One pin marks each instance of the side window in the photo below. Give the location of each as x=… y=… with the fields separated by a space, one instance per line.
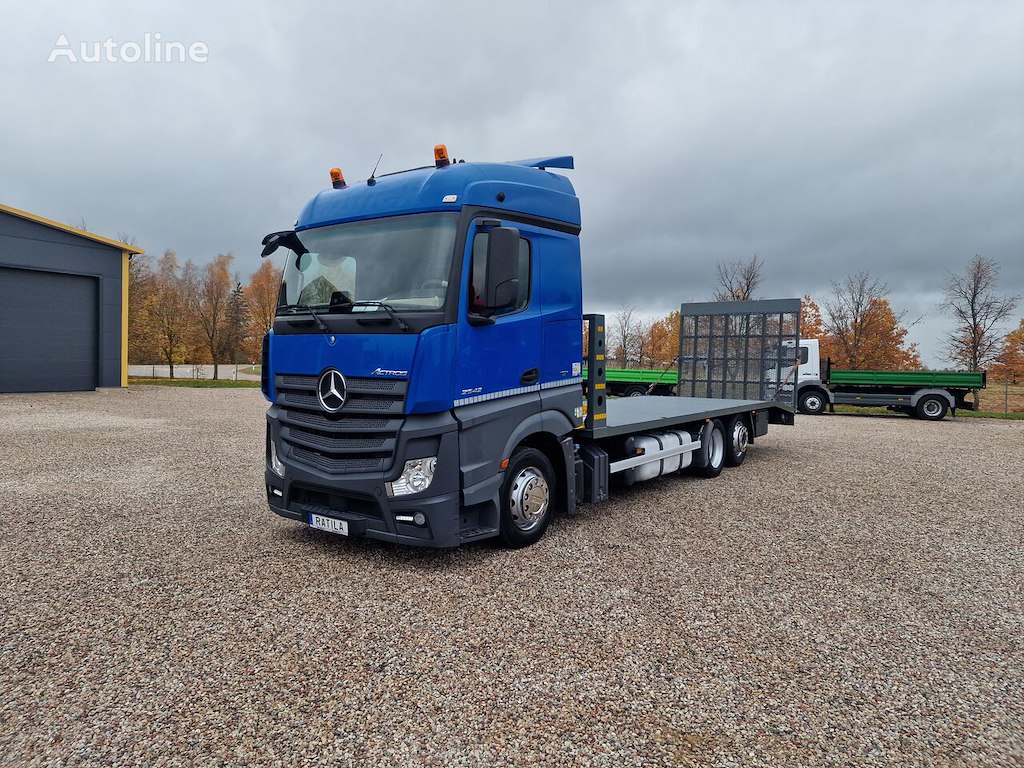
x=476 y=286
x=804 y=355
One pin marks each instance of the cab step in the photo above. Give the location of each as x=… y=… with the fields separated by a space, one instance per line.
x=474 y=534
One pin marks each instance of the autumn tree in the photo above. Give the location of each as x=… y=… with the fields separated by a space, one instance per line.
x=885 y=340
x=978 y=311
x=261 y=294
x=642 y=344
x=236 y=325
x=812 y=326
x=142 y=337
x=169 y=318
x=739 y=280
x=865 y=332
x=663 y=340
x=209 y=297
x=1009 y=366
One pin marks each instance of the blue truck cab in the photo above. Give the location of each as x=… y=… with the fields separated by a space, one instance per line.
x=424 y=366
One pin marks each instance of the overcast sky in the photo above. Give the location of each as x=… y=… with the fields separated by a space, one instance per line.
x=827 y=137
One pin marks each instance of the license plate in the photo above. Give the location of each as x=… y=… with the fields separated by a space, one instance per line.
x=329 y=524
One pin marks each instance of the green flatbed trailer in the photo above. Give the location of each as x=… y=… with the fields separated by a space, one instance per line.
x=637 y=382
x=928 y=395
x=948 y=379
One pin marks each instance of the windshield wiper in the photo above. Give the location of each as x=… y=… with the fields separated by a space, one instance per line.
x=306 y=308
x=348 y=306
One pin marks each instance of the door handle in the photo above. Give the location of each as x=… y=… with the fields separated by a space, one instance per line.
x=529 y=377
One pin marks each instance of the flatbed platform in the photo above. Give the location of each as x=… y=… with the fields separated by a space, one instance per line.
x=628 y=415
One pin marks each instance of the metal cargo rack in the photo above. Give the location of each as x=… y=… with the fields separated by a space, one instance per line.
x=740 y=349
x=734 y=357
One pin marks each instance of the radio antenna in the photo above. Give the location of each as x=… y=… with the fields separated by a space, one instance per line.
x=374 y=171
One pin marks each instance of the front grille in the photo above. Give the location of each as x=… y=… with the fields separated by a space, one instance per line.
x=326 y=463
x=355 y=402
x=361 y=438
x=320 y=421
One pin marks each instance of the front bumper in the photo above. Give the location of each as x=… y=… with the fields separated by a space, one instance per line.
x=361 y=499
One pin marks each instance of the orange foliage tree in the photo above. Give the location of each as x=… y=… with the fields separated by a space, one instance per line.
x=865 y=331
x=663 y=340
x=1009 y=366
x=209 y=295
x=261 y=294
x=884 y=341
x=813 y=327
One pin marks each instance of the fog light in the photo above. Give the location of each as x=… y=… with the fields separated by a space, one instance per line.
x=418 y=519
x=275 y=462
x=416 y=477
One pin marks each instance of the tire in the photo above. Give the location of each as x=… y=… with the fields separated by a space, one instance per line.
x=812 y=402
x=715 y=451
x=932 y=408
x=635 y=390
x=528 y=495
x=737 y=440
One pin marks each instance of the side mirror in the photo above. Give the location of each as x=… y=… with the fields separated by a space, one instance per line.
x=501 y=277
x=270 y=244
x=288 y=239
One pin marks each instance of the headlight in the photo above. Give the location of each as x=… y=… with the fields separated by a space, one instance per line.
x=275 y=462
x=416 y=477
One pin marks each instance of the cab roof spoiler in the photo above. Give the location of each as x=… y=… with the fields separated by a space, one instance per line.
x=554 y=161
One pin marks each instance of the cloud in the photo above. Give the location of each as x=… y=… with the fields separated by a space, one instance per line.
x=826 y=138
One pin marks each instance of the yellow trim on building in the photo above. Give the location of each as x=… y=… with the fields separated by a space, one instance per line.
x=125 y=256
x=131 y=249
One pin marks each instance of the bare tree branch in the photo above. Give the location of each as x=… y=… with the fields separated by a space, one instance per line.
x=739 y=280
x=977 y=311
x=623 y=336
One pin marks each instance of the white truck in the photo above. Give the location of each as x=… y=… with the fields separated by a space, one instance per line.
x=928 y=395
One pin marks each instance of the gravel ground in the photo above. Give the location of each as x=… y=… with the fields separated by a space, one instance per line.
x=853 y=595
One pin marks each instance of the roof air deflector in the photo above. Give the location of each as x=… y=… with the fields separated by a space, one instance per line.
x=554 y=161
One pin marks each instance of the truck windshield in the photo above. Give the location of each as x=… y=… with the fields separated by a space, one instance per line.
x=403 y=261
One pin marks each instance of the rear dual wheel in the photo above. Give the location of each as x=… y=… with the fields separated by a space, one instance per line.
x=932 y=408
x=712 y=451
x=737 y=440
x=726 y=446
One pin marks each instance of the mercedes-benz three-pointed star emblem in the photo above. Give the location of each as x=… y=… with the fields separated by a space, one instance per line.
x=331 y=390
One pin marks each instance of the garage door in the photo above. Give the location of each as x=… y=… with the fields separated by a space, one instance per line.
x=49 y=331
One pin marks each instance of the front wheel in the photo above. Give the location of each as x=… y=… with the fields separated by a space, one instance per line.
x=932 y=408
x=527 y=497
x=812 y=403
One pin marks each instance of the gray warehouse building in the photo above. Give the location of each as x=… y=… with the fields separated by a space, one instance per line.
x=63 y=306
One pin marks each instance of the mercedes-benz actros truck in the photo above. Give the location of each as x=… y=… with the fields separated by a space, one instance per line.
x=425 y=367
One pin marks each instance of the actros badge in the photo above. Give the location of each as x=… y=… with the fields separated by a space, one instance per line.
x=331 y=390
